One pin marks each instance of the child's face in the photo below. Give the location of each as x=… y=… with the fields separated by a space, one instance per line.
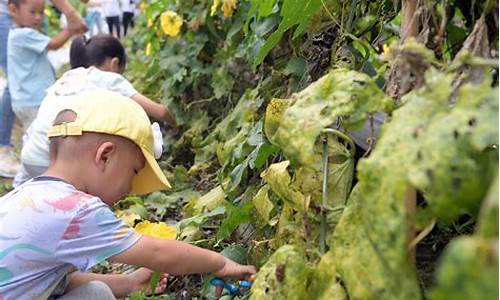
x=28 y=13
x=117 y=178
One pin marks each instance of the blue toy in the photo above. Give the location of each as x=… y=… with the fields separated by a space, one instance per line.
x=239 y=289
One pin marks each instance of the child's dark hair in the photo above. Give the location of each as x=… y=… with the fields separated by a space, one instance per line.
x=94 y=51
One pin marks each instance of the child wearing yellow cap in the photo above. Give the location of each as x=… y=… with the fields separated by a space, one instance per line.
x=61 y=221
x=97 y=63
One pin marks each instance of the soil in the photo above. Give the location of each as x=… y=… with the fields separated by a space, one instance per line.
x=429 y=250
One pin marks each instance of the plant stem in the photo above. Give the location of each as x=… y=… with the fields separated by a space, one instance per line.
x=322 y=230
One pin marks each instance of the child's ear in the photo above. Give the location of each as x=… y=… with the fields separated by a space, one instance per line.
x=12 y=9
x=115 y=65
x=103 y=155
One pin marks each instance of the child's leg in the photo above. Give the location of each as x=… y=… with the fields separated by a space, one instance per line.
x=125 y=23
x=116 y=21
x=6 y=118
x=6 y=113
x=90 y=291
x=26 y=115
x=109 y=21
x=98 y=21
x=127 y=20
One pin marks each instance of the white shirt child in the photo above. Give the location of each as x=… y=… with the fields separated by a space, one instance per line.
x=111 y=8
x=35 y=150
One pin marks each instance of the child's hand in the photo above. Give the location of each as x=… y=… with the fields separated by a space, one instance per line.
x=140 y=279
x=235 y=270
x=76 y=25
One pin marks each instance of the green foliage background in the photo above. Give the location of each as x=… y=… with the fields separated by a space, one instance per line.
x=267 y=98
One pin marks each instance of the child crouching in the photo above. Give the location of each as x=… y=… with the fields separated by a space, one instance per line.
x=61 y=221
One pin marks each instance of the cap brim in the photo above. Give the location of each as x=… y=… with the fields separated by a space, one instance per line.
x=150 y=178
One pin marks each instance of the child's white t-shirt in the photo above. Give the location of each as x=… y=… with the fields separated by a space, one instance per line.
x=35 y=150
x=128 y=5
x=111 y=8
x=47 y=228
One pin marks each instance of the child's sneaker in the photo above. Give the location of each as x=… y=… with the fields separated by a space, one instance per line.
x=9 y=165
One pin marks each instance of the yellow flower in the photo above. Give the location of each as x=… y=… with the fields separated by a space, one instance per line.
x=128 y=218
x=150 y=22
x=214 y=7
x=171 y=23
x=158 y=230
x=385 y=49
x=149 y=49
x=47 y=12
x=143 y=6
x=228 y=7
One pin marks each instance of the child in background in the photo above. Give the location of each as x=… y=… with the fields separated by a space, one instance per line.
x=29 y=71
x=93 y=18
x=102 y=148
x=9 y=164
x=128 y=7
x=97 y=64
x=111 y=11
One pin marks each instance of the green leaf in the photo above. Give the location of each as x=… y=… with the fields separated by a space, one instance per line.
x=324 y=284
x=201 y=219
x=283 y=277
x=295 y=125
x=263 y=152
x=258 y=9
x=214 y=198
x=443 y=150
x=488 y=217
x=153 y=282
x=236 y=215
x=469 y=270
x=161 y=202
x=295 y=66
x=138 y=209
x=369 y=245
x=294 y=12
x=236 y=253
x=237 y=174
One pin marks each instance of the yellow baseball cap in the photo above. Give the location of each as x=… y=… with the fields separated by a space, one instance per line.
x=103 y=111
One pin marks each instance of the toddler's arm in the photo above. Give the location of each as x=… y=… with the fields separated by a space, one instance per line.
x=121 y=284
x=75 y=21
x=155 y=110
x=175 y=257
x=59 y=40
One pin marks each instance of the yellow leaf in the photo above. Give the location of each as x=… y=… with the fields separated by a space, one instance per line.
x=171 y=23
x=278 y=179
x=128 y=218
x=149 y=49
x=274 y=115
x=228 y=6
x=262 y=204
x=150 y=22
x=158 y=230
